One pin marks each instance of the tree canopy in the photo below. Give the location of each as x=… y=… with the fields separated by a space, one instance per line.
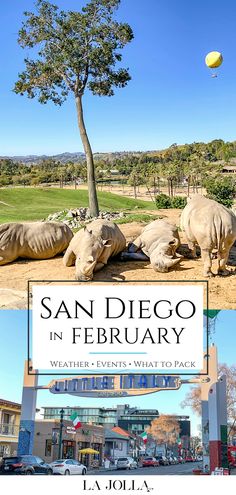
x=76 y=50
x=165 y=429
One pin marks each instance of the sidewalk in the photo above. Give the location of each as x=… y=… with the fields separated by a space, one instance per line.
x=101 y=470
x=113 y=469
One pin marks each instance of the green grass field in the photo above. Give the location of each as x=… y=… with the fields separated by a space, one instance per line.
x=18 y=204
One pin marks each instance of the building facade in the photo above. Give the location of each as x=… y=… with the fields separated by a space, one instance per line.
x=46 y=441
x=129 y=418
x=9 y=427
x=135 y=420
x=116 y=445
x=102 y=416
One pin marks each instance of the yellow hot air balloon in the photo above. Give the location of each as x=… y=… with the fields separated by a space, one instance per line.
x=213 y=61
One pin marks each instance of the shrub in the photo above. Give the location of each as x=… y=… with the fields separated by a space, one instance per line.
x=163 y=201
x=222 y=190
x=178 y=202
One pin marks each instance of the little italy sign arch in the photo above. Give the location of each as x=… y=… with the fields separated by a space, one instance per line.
x=114 y=385
x=213 y=399
x=84 y=386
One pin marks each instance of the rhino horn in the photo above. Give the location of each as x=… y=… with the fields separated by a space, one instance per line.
x=169 y=262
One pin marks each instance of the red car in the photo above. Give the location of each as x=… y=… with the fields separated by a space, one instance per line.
x=189 y=458
x=150 y=462
x=232 y=455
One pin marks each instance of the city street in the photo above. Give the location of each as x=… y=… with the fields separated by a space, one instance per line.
x=176 y=469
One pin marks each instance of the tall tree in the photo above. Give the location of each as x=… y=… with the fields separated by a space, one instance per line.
x=77 y=51
x=165 y=429
x=193 y=397
x=135 y=179
x=172 y=171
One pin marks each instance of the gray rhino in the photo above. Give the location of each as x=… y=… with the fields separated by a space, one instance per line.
x=91 y=248
x=38 y=240
x=158 y=242
x=210 y=225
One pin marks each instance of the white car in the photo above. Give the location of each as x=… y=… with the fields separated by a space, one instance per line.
x=67 y=467
x=126 y=463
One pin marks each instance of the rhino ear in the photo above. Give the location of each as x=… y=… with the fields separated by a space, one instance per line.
x=90 y=258
x=87 y=230
x=107 y=242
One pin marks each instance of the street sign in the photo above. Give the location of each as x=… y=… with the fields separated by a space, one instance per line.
x=71 y=430
x=114 y=385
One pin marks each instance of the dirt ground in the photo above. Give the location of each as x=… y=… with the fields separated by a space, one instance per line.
x=14 y=277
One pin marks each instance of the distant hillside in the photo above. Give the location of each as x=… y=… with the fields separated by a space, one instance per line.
x=63 y=158
x=214 y=151
x=69 y=157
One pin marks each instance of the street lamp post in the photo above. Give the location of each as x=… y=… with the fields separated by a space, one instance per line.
x=135 y=442
x=60 y=434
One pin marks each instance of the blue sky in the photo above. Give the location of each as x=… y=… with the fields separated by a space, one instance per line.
x=13 y=351
x=171 y=97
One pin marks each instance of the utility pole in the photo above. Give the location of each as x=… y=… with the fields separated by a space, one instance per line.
x=60 y=434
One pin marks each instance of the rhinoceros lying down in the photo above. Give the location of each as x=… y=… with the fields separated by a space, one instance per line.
x=210 y=225
x=38 y=240
x=92 y=246
x=158 y=242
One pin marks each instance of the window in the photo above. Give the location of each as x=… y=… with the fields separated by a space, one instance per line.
x=29 y=458
x=55 y=436
x=4 y=450
x=48 y=447
x=118 y=445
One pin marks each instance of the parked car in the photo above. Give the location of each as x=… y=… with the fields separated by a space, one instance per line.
x=150 y=462
x=24 y=464
x=162 y=459
x=232 y=455
x=126 y=463
x=199 y=458
x=171 y=460
x=176 y=460
x=181 y=460
x=189 y=458
x=67 y=467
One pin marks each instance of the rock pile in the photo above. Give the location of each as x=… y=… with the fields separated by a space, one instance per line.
x=77 y=217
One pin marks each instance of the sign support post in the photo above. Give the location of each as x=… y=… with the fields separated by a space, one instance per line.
x=218 y=425
x=28 y=409
x=205 y=387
